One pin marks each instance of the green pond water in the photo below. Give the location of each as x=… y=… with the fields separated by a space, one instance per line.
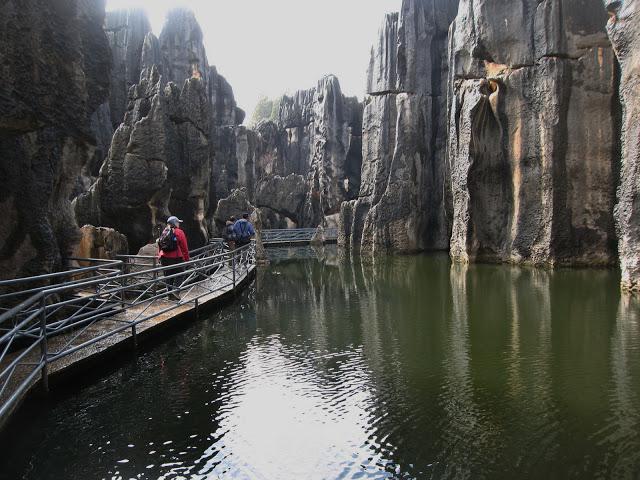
x=329 y=367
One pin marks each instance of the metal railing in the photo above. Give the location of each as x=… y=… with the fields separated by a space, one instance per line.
x=295 y=235
x=59 y=320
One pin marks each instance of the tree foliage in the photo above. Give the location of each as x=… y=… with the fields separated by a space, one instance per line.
x=266 y=109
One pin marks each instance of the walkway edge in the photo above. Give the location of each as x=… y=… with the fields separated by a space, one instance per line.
x=155 y=332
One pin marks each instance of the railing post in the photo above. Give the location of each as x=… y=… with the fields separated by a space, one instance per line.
x=43 y=345
x=123 y=284
x=155 y=277
x=233 y=267
x=134 y=335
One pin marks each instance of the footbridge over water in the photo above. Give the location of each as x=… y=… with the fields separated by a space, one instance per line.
x=298 y=236
x=68 y=322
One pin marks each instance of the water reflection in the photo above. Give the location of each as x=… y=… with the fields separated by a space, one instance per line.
x=334 y=366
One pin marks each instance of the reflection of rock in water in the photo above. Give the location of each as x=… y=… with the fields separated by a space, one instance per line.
x=463 y=418
x=625 y=416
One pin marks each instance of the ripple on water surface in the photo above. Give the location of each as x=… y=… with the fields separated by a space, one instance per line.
x=404 y=367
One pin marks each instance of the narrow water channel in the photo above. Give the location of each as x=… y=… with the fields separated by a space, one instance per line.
x=330 y=367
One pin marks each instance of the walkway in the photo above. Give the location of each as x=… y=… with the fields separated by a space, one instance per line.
x=100 y=309
x=296 y=236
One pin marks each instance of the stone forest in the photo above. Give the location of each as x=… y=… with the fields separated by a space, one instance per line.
x=478 y=317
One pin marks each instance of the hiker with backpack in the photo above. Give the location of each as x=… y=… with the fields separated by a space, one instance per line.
x=228 y=234
x=244 y=230
x=173 y=251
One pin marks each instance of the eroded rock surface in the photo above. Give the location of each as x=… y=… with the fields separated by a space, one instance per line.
x=158 y=165
x=126 y=30
x=301 y=168
x=624 y=32
x=100 y=242
x=174 y=147
x=55 y=63
x=532 y=133
x=318 y=137
x=235 y=205
x=401 y=199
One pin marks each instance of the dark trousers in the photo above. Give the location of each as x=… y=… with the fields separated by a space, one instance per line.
x=172 y=283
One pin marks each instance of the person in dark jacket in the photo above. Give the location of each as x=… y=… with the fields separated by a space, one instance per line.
x=170 y=256
x=228 y=234
x=244 y=230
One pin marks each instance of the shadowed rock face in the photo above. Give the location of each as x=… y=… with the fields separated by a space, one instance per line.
x=126 y=30
x=401 y=200
x=182 y=48
x=158 y=165
x=178 y=136
x=624 y=32
x=532 y=133
x=55 y=64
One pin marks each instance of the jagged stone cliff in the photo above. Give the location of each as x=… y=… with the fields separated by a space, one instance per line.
x=159 y=163
x=322 y=139
x=54 y=63
x=126 y=31
x=533 y=144
x=624 y=32
x=301 y=168
x=163 y=158
x=401 y=200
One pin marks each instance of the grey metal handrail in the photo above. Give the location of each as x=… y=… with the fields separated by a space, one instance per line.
x=293 y=235
x=72 y=308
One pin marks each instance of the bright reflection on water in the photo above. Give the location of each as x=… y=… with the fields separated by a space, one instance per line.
x=329 y=367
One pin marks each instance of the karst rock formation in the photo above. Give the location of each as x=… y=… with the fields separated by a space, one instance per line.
x=533 y=147
x=624 y=32
x=161 y=158
x=401 y=202
x=300 y=168
x=54 y=70
x=498 y=131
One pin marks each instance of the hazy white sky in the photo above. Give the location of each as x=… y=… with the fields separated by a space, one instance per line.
x=269 y=47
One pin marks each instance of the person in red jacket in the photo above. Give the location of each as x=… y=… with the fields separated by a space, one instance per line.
x=173 y=251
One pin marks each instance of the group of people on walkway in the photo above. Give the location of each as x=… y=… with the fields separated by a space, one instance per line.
x=173 y=248
x=238 y=233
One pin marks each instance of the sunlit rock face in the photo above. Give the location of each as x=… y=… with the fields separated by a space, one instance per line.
x=533 y=143
x=401 y=201
x=334 y=136
x=300 y=168
x=318 y=136
x=624 y=32
x=100 y=242
x=55 y=63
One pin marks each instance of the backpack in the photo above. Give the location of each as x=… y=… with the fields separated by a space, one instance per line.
x=168 y=241
x=229 y=234
x=244 y=231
